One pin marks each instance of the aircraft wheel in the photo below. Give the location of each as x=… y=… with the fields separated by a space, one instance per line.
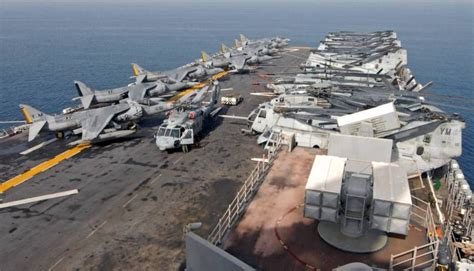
x=60 y=135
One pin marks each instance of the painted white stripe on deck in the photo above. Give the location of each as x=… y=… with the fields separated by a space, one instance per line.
x=156 y=179
x=128 y=202
x=96 y=229
x=40 y=198
x=39 y=146
x=54 y=265
x=179 y=159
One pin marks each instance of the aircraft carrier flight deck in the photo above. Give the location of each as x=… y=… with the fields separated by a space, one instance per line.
x=133 y=199
x=262 y=156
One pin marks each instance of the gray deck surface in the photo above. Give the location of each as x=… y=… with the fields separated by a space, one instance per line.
x=134 y=199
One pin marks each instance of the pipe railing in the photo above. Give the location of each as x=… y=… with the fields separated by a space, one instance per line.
x=238 y=205
x=422 y=214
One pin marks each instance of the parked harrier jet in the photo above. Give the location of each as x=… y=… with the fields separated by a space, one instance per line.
x=91 y=123
x=142 y=93
x=237 y=62
x=98 y=124
x=189 y=72
x=253 y=49
x=235 y=59
x=276 y=42
x=255 y=55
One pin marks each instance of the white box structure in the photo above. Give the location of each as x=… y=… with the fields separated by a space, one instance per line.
x=360 y=148
x=322 y=192
x=381 y=119
x=391 y=203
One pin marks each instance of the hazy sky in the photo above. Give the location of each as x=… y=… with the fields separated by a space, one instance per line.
x=338 y=2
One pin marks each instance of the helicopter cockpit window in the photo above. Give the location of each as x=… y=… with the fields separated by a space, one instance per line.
x=175 y=133
x=161 y=131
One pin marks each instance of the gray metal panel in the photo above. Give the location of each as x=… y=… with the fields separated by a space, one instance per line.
x=330 y=200
x=399 y=226
x=312 y=212
x=328 y=214
x=355 y=204
x=312 y=197
x=203 y=256
x=401 y=211
x=380 y=223
x=382 y=208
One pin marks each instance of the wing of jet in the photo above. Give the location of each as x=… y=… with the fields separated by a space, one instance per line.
x=178 y=75
x=238 y=62
x=199 y=95
x=139 y=91
x=99 y=119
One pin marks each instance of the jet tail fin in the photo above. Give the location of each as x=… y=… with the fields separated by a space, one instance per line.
x=35 y=118
x=243 y=38
x=32 y=114
x=205 y=57
x=82 y=89
x=237 y=43
x=224 y=49
x=86 y=94
x=87 y=101
x=137 y=70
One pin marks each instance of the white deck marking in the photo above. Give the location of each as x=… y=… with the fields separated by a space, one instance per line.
x=227 y=89
x=39 y=146
x=156 y=179
x=179 y=159
x=40 y=198
x=233 y=117
x=54 y=265
x=96 y=229
x=130 y=200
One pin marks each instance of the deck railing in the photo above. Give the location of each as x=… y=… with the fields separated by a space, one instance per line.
x=415 y=258
x=237 y=207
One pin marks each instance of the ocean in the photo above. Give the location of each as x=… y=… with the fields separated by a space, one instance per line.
x=44 y=46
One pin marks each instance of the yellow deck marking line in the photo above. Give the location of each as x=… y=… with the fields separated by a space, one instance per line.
x=42 y=167
x=197 y=86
